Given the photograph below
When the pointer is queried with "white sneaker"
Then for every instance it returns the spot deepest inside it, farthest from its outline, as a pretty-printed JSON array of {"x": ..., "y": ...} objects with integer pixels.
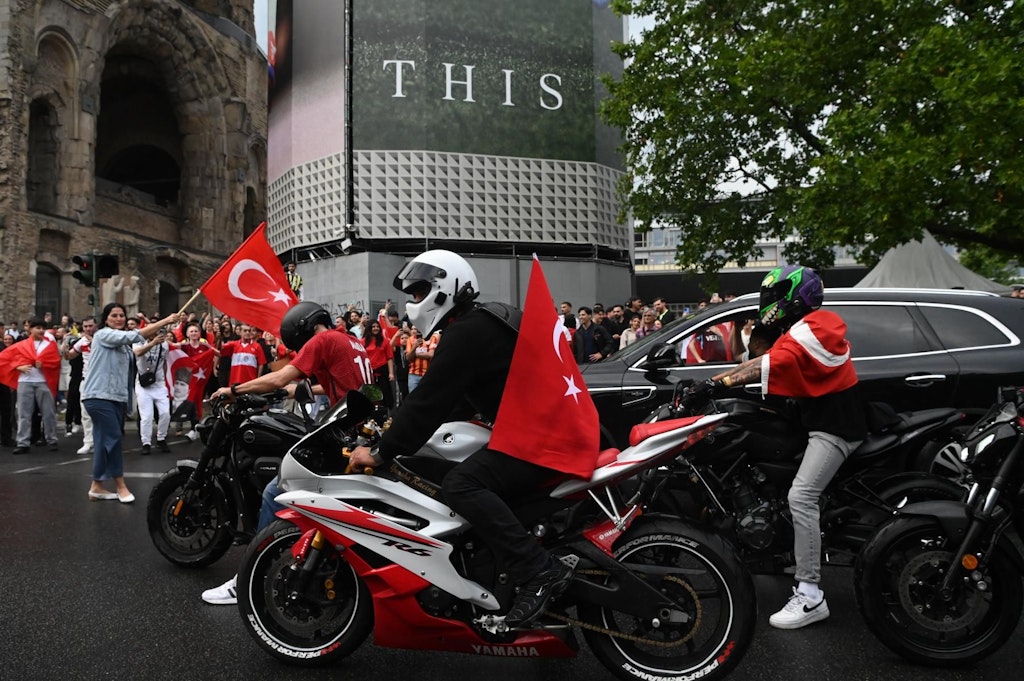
[
  {"x": 192, "y": 435},
  {"x": 221, "y": 595},
  {"x": 76, "y": 429},
  {"x": 85, "y": 449},
  {"x": 799, "y": 611}
]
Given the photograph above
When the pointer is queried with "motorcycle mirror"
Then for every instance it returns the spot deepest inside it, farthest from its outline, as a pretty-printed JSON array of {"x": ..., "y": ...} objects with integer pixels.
[
  {"x": 304, "y": 392},
  {"x": 359, "y": 406},
  {"x": 372, "y": 392}
]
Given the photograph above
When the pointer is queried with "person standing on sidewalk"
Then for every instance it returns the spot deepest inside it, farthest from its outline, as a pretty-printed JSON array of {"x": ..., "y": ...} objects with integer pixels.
[
  {"x": 151, "y": 390},
  {"x": 81, "y": 351}
]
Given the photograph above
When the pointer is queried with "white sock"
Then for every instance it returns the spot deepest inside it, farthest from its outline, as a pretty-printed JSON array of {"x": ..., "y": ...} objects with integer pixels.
[{"x": 811, "y": 590}]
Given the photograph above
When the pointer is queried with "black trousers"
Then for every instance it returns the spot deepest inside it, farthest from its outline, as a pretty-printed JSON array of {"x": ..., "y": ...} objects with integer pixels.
[
  {"x": 7, "y": 420},
  {"x": 481, "y": 488}
]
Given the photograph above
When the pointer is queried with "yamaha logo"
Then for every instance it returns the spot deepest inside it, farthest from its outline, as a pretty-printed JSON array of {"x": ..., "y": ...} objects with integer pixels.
[
  {"x": 248, "y": 437},
  {"x": 448, "y": 438}
]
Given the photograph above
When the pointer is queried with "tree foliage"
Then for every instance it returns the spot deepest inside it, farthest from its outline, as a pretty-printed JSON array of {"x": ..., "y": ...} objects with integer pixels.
[{"x": 823, "y": 123}]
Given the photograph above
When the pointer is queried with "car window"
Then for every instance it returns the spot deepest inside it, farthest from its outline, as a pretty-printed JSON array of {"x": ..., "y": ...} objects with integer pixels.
[
  {"x": 959, "y": 328},
  {"x": 881, "y": 330},
  {"x": 719, "y": 341}
]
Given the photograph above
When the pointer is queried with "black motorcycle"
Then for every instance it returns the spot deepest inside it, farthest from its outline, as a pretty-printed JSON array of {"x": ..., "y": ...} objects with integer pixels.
[
  {"x": 737, "y": 480},
  {"x": 199, "y": 508},
  {"x": 940, "y": 583}
]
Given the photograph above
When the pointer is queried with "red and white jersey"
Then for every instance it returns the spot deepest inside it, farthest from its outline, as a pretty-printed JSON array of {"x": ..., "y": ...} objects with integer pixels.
[
  {"x": 246, "y": 360},
  {"x": 84, "y": 348},
  {"x": 810, "y": 360},
  {"x": 337, "y": 360}
]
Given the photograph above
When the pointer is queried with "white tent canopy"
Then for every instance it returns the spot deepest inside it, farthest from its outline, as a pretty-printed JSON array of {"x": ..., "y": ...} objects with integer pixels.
[{"x": 925, "y": 264}]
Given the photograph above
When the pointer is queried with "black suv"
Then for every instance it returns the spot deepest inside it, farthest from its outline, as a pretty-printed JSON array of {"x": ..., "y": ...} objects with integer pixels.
[{"x": 913, "y": 348}]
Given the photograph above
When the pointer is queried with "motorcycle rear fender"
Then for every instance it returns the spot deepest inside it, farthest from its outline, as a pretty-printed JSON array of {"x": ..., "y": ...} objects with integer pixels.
[{"x": 952, "y": 516}]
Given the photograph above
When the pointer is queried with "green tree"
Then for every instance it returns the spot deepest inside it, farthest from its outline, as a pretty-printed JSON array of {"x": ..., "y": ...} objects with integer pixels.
[{"x": 855, "y": 123}]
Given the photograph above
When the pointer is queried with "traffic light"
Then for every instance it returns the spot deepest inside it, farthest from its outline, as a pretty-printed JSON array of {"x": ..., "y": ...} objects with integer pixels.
[
  {"x": 107, "y": 266},
  {"x": 86, "y": 272}
]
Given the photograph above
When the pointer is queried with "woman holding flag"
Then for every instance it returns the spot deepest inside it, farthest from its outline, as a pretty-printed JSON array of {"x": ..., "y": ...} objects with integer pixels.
[{"x": 106, "y": 395}]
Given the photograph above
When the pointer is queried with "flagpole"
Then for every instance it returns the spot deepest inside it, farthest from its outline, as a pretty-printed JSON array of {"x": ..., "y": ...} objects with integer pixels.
[{"x": 190, "y": 301}]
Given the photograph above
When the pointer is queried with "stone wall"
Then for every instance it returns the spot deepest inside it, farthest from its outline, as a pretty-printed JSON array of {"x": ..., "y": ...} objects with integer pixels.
[{"x": 59, "y": 63}]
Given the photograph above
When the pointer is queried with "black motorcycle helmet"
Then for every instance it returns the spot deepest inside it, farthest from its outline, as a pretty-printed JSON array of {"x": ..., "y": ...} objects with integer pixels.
[{"x": 299, "y": 323}]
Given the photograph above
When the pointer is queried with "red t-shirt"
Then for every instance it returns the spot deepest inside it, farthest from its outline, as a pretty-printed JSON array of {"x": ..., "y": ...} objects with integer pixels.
[
  {"x": 379, "y": 354},
  {"x": 337, "y": 361},
  {"x": 246, "y": 360}
]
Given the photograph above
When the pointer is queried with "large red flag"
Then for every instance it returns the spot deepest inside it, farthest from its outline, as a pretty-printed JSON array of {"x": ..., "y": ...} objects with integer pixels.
[
  {"x": 252, "y": 286},
  {"x": 187, "y": 376},
  {"x": 546, "y": 415}
]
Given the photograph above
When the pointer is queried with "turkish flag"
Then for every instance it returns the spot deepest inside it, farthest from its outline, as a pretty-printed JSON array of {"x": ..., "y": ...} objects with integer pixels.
[
  {"x": 546, "y": 415},
  {"x": 24, "y": 352},
  {"x": 187, "y": 376},
  {"x": 252, "y": 286}
]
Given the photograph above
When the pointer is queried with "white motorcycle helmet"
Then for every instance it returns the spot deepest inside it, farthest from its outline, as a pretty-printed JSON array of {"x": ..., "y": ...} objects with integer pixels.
[{"x": 438, "y": 281}]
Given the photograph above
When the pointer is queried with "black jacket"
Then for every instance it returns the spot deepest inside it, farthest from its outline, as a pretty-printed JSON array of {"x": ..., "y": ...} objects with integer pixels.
[
  {"x": 602, "y": 343},
  {"x": 471, "y": 365}
]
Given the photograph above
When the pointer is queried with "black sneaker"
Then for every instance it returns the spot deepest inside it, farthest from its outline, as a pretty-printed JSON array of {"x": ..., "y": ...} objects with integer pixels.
[
  {"x": 533, "y": 596},
  {"x": 20, "y": 450},
  {"x": 53, "y": 447},
  {"x": 145, "y": 450},
  {"x": 162, "y": 446}
]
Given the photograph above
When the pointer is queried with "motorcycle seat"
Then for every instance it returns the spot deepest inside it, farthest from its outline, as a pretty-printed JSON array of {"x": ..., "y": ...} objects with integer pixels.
[
  {"x": 642, "y": 431},
  {"x": 910, "y": 420}
]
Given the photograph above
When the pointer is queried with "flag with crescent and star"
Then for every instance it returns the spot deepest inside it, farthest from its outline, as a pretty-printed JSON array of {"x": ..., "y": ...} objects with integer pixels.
[
  {"x": 252, "y": 286},
  {"x": 546, "y": 415},
  {"x": 187, "y": 375}
]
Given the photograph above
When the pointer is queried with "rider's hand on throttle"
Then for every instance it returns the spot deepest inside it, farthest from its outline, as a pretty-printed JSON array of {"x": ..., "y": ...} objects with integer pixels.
[{"x": 361, "y": 458}]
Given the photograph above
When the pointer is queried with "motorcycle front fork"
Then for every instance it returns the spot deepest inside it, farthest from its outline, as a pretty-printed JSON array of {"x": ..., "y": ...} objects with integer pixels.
[{"x": 305, "y": 570}]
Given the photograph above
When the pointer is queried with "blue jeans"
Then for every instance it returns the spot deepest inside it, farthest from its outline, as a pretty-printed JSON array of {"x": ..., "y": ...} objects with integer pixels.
[
  {"x": 270, "y": 507},
  {"x": 414, "y": 380},
  {"x": 107, "y": 420}
]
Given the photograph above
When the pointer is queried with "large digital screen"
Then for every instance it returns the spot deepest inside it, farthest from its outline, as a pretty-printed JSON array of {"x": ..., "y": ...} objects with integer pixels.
[{"x": 468, "y": 76}]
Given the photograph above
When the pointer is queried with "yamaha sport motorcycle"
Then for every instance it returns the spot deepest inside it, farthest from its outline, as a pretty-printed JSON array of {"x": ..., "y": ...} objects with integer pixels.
[
  {"x": 940, "y": 582},
  {"x": 198, "y": 509},
  {"x": 355, "y": 553},
  {"x": 736, "y": 481}
]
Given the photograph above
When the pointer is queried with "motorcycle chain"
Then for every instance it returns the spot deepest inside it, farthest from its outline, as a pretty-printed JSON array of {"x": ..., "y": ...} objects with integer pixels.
[{"x": 630, "y": 637}]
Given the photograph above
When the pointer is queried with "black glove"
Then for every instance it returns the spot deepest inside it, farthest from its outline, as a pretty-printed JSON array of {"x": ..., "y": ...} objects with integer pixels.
[{"x": 700, "y": 393}]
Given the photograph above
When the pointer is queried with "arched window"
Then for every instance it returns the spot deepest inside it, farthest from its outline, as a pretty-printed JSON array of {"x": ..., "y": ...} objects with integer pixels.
[
  {"x": 41, "y": 178},
  {"x": 167, "y": 298},
  {"x": 48, "y": 290}
]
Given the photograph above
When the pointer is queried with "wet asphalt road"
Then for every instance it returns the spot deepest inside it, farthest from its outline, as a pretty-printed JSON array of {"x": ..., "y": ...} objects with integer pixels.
[{"x": 84, "y": 595}]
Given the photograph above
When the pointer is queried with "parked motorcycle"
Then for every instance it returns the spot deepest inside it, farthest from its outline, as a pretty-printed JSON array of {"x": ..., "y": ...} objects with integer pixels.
[
  {"x": 199, "y": 508},
  {"x": 736, "y": 481},
  {"x": 940, "y": 583},
  {"x": 653, "y": 597}
]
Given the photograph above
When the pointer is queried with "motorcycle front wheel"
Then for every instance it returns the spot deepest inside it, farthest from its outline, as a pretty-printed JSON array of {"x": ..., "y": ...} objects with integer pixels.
[
  {"x": 190, "y": 529},
  {"x": 897, "y": 581},
  {"x": 309, "y": 622},
  {"x": 702, "y": 573}
]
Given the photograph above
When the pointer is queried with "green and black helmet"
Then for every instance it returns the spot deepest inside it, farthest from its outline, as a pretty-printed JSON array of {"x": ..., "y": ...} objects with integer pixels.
[{"x": 788, "y": 293}]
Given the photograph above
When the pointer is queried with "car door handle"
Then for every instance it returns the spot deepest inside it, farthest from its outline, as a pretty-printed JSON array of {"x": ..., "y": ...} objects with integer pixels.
[{"x": 924, "y": 379}]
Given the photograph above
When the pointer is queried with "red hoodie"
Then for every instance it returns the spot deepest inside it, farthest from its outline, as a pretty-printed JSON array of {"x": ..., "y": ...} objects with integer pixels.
[{"x": 810, "y": 360}]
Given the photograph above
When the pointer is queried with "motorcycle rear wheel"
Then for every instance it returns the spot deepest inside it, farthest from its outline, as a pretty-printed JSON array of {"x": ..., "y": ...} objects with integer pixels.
[
  {"x": 314, "y": 626},
  {"x": 199, "y": 534},
  {"x": 708, "y": 582},
  {"x": 897, "y": 579}
]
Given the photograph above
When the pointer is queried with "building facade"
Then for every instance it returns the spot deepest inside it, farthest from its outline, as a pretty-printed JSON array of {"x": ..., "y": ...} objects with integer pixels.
[
  {"x": 133, "y": 128},
  {"x": 470, "y": 126}
]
